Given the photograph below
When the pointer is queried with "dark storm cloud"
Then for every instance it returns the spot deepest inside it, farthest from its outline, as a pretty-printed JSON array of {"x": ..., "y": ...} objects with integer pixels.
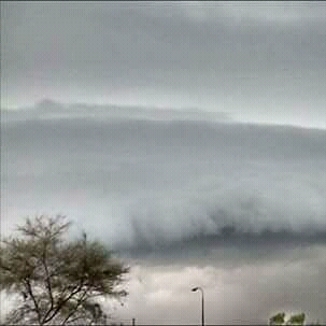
[
  {"x": 244, "y": 54},
  {"x": 157, "y": 183}
]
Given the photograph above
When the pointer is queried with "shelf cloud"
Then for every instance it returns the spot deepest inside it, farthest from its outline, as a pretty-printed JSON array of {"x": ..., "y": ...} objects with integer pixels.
[{"x": 154, "y": 182}]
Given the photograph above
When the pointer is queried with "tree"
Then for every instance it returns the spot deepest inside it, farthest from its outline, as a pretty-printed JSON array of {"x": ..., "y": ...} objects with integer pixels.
[
  {"x": 58, "y": 281},
  {"x": 279, "y": 319}
]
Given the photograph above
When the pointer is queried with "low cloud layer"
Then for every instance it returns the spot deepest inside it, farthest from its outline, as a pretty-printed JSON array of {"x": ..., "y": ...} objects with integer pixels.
[
  {"x": 154, "y": 182},
  {"x": 237, "y": 290},
  {"x": 245, "y": 293}
]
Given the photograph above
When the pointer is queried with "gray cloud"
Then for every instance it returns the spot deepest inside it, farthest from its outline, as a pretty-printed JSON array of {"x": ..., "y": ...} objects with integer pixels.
[
  {"x": 154, "y": 183},
  {"x": 238, "y": 293},
  {"x": 253, "y": 59},
  {"x": 51, "y": 110}
]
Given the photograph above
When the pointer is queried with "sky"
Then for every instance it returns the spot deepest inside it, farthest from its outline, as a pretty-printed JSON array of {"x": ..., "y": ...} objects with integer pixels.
[
  {"x": 189, "y": 137},
  {"x": 258, "y": 61}
]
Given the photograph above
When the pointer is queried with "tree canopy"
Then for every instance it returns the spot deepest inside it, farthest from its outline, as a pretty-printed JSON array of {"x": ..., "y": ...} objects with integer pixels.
[
  {"x": 280, "y": 319},
  {"x": 58, "y": 281}
]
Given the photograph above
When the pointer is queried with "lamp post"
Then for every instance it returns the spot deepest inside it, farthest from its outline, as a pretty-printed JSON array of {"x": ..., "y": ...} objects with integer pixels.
[{"x": 198, "y": 288}]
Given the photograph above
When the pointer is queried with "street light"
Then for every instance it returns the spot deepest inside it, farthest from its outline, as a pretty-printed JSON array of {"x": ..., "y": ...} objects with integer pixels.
[{"x": 202, "y": 303}]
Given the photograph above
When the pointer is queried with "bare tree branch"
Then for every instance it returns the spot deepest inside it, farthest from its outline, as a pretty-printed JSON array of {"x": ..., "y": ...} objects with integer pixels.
[
  {"x": 37, "y": 308},
  {"x": 79, "y": 302},
  {"x": 48, "y": 283}
]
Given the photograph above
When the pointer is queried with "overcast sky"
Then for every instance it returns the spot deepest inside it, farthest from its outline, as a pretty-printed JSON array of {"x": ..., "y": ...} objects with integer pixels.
[
  {"x": 259, "y": 61},
  {"x": 187, "y": 199}
]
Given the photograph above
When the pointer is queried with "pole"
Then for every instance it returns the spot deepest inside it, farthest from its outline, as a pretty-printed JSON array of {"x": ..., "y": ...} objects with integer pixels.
[
  {"x": 202, "y": 308},
  {"x": 134, "y": 322},
  {"x": 202, "y": 303}
]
